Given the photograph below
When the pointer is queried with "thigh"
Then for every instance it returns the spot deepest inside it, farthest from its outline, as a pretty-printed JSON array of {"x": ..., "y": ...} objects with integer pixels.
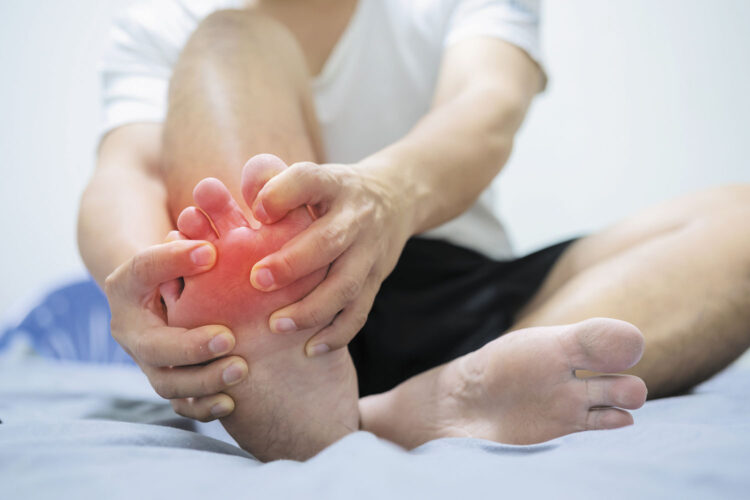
[{"x": 645, "y": 225}]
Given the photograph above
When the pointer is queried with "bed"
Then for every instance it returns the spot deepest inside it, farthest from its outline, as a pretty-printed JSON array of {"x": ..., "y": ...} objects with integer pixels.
[{"x": 81, "y": 421}]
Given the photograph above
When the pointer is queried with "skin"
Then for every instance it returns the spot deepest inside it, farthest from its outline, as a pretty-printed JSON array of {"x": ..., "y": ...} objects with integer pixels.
[
  {"x": 680, "y": 271},
  {"x": 290, "y": 406},
  {"x": 130, "y": 262},
  {"x": 134, "y": 170},
  {"x": 368, "y": 209}
]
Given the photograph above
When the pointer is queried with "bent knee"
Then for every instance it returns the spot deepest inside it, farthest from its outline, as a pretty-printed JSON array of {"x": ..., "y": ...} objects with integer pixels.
[{"x": 241, "y": 29}]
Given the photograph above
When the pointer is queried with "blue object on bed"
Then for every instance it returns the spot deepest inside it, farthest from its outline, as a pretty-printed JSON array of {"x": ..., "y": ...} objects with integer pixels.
[
  {"x": 83, "y": 430},
  {"x": 71, "y": 323}
]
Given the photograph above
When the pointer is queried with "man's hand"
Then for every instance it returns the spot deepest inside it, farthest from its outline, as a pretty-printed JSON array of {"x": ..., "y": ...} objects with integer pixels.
[
  {"x": 361, "y": 230},
  {"x": 181, "y": 364}
]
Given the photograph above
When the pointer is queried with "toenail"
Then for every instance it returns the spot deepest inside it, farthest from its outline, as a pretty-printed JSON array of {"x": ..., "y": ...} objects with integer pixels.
[
  {"x": 202, "y": 256},
  {"x": 220, "y": 410},
  {"x": 220, "y": 344},
  {"x": 264, "y": 278},
  {"x": 317, "y": 350},
  {"x": 233, "y": 374},
  {"x": 284, "y": 325}
]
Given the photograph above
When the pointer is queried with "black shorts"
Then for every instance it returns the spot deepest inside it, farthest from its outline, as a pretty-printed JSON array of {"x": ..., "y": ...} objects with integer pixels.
[{"x": 442, "y": 301}]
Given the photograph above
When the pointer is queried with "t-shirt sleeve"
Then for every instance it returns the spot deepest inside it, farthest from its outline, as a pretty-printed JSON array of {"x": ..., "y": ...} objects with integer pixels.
[
  {"x": 135, "y": 71},
  {"x": 515, "y": 21}
]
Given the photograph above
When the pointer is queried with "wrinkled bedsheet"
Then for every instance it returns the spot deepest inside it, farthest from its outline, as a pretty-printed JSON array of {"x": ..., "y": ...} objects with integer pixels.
[{"x": 83, "y": 430}]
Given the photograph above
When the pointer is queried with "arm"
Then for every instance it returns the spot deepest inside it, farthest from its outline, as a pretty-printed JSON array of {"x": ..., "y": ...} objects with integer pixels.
[
  {"x": 123, "y": 215},
  {"x": 123, "y": 209},
  {"x": 454, "y": 152},
  {"x": 370, "y": 209}
]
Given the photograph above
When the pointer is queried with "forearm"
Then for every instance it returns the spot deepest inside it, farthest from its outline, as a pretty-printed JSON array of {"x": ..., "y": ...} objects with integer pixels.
[
  {"x": 454, "y": 152},
  {"x": 445, "y": 163},
  {"x": 123, "y": 211}
]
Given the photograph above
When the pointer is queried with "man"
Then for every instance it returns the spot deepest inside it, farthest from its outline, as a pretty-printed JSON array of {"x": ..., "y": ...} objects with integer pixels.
[{"x": 410, "y": 115}]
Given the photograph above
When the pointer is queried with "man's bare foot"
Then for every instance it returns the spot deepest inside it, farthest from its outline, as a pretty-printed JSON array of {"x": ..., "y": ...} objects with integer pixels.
[
  {"x": 290, "y": 406},
  {"x": 518, "y": 389}
]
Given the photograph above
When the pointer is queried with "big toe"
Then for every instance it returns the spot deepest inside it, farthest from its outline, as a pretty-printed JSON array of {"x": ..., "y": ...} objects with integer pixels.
[
  {"x": 213, "y": 197},
  {"x": 603, "y": 345}
]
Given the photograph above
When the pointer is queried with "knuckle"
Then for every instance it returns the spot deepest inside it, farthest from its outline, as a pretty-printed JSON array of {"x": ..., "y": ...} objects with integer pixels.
[
  {"x": 142, "y": 265},
  {"x": 312, "y": 173},
  {"x": 306, "y": 169},
  {"x": 314, "y": 317},
  {"x": 204, "y": 386},
  {"x": 332, "y": 237},
  {"x": 287, "y": 264},
  {"x": 348, "y": 289},
  {"x": 142, "y": 348}
]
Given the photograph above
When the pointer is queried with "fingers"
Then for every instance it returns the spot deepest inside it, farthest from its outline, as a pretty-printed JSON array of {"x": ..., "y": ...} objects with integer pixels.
[
  {"x": 346, "y": 325},
  {"x": 622, "y": 391},
  {"x": 301, "y": 184},
  {"x": 169, "y": 346},
  {"x": 342, "y": 286},
  {"x": 204, "y": 409},
  {"x": 159, "y": 264},
  {"x": 315, "y": 248},
  {"x": 198, "y": 381}
]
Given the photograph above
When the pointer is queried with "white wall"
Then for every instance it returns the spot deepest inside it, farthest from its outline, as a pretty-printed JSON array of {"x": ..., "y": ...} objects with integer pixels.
[
  {"x": 49, "y": 51},
  {"x": 647, "y": 99}
]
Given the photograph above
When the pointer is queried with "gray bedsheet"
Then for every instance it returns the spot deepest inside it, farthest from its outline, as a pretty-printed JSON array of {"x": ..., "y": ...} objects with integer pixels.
[{"x": 96, "y": 431}]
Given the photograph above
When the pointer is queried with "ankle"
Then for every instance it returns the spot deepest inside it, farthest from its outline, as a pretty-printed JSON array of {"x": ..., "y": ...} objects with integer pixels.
[{"x": 376, "y": 414}]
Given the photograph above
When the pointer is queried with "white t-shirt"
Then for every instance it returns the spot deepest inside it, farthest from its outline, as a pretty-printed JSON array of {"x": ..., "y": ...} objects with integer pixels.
[{"x": 377, "y": 83}]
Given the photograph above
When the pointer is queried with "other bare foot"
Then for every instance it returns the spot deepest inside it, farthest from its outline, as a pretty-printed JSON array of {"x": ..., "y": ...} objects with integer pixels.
[{"x": 519, "y": 389}]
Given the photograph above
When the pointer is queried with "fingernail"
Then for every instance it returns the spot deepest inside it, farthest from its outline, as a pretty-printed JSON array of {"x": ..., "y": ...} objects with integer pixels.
[
  {"x": 260, "y": 212},
  {"x": 220, "y": 410},
  {"x": 284, "y": 325},
  {"x": 264, "y": 278},
  {"x": 317, "y": 350},
  {"x": 220, "y": 343},
  {"x": 202, "y": 256},
  {"x": 233, "y": 374}
]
